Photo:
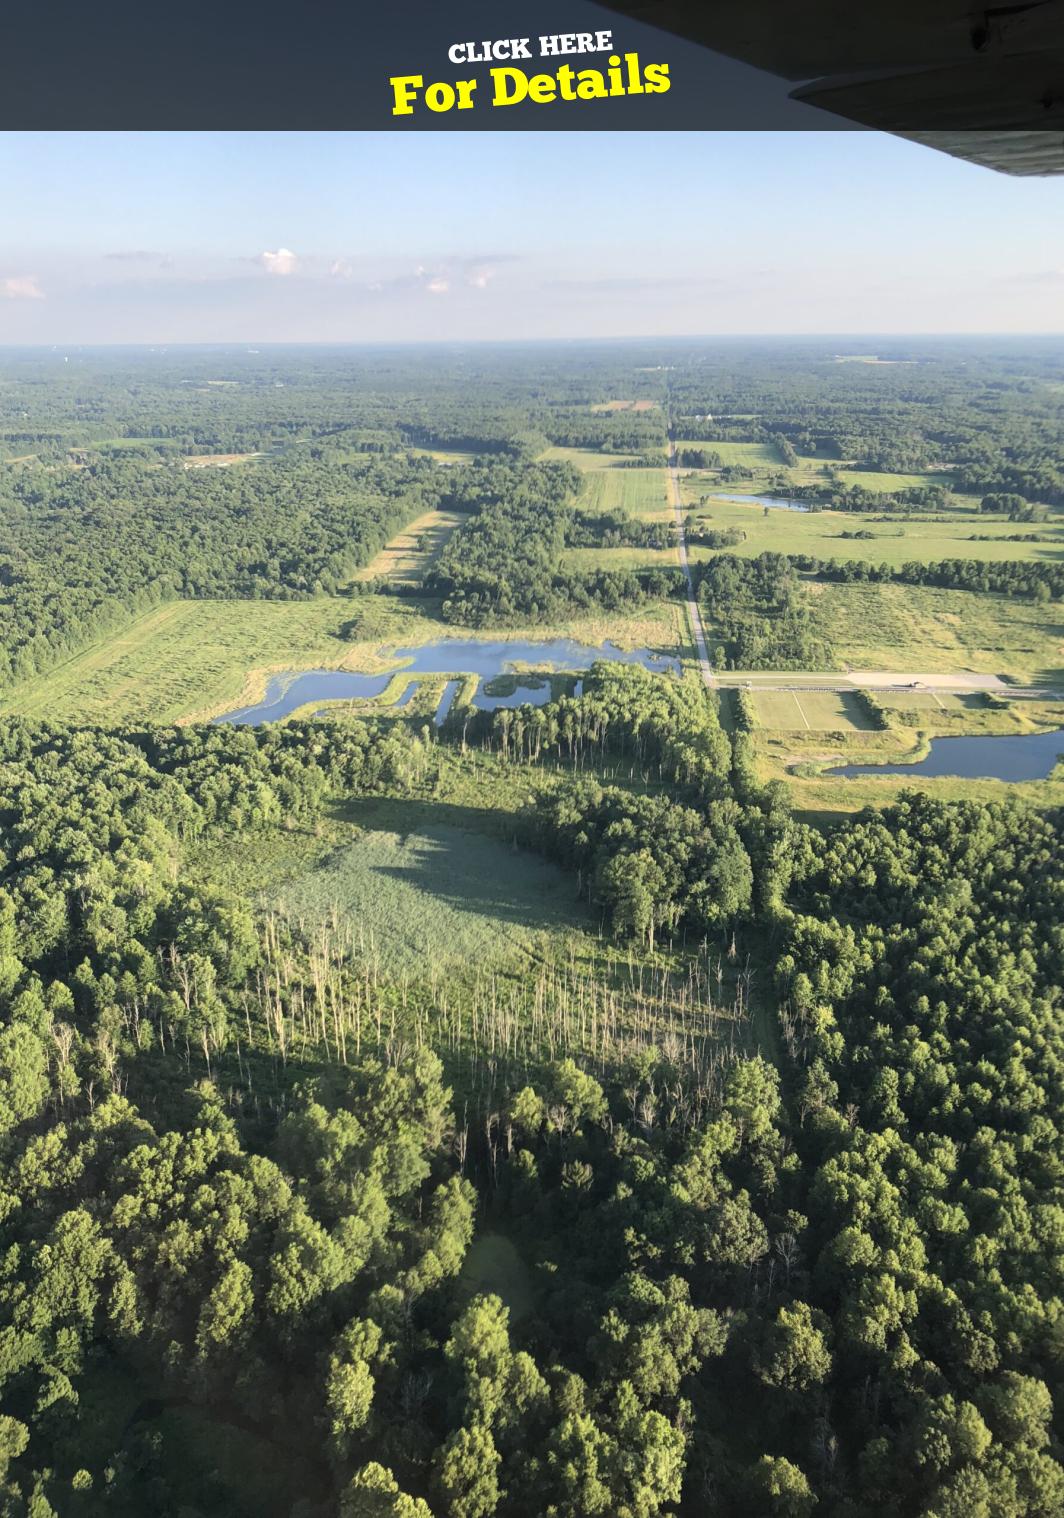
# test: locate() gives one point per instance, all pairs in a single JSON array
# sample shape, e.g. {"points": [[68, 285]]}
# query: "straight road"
{"points": [[694, 616]]}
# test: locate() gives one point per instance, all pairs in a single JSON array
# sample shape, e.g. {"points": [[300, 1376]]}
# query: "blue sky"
{"points": [[400, 236]]}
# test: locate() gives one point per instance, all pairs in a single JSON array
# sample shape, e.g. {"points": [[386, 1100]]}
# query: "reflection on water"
{"points": [[448, 656], [762, 500], [1024, 756]]}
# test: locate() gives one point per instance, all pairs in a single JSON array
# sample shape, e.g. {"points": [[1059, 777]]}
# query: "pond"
{"points": [[488, 659], [1024, 756], [763, 500]]}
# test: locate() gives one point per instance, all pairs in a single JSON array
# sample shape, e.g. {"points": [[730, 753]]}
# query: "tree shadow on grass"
{"points": [[468, 859], [410, 814], [482, 876]]}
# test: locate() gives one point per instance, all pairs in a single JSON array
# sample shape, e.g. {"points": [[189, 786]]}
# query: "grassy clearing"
{"points": [[749, 455], [443, 925], [905, 627], [412, 553], [769, 529], [493, 1264], [877, 479], [641, 405], [443, 455], [216, 460], [620, 558], [437, 896], [119, 444]]}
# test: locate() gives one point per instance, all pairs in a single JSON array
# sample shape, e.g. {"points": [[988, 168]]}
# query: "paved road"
{"points": [[843, 684], [694, 616]]}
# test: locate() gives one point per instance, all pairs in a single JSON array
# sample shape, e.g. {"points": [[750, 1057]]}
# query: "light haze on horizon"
{"points": [[377, 237]]}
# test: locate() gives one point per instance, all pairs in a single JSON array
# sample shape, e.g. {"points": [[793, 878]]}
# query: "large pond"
{"points": [[775, 501], [1026, 756], [491, 661]]}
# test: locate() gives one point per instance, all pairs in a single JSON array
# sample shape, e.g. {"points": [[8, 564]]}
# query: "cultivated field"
{"points": [[810, 711], [640, 492]]}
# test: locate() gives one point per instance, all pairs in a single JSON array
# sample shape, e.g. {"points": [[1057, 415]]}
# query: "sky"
{"points": [[386, 237]]}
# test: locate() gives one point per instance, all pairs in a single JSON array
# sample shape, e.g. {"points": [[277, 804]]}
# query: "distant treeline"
{"points": [[996, 425]]}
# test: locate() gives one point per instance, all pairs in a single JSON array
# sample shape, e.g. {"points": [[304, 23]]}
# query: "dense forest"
{"points": [[746, 1198], [764, 1285]]}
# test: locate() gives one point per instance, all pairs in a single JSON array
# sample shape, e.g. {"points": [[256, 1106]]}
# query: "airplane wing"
{"points": [[984, 83]]}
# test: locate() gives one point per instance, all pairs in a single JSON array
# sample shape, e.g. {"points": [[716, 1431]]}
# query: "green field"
{"points": [[184, 657], [750, 455], [640, 492], [442, 455], [409, 556], [441, 895], [819, 533], [876, 479], [916, 627], [810, 711], [586, 559]]}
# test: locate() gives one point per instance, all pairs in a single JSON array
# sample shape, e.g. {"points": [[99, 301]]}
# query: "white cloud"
{"points": [[284, 261], [21, 287], [340, 269]]}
